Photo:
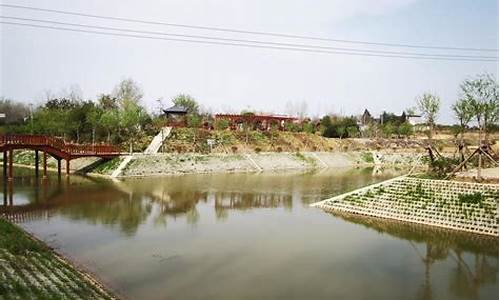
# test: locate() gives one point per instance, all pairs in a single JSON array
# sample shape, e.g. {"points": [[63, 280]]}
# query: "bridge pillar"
{"points": [[37, 167], [5, 165], [44, 165], [5, 192], [11, 161], [67, 167], [59, 167]]}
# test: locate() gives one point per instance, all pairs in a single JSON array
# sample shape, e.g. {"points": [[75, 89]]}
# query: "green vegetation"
{"points": [[16, 242], [429, 106], [339, 127], [108, 166], [474, 198], [302, 157], [117, 117], [31, 270], [367, 157], [430, 202]]}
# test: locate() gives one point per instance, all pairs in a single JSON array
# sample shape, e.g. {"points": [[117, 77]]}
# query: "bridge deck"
{"points": [[57, 147]]}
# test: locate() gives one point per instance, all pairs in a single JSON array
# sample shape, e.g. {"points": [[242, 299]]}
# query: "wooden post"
{"points": [[5, 165], [11, 194], [11, 161], [44, 165], [59, 167], [37, 161], [67, 167], [5, 192], [479, 165]]}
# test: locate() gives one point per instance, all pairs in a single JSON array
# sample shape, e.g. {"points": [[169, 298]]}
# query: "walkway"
{"points": [[56, 147]]}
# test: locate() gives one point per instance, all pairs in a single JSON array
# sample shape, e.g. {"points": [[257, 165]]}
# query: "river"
{"points": [[246, 236]]}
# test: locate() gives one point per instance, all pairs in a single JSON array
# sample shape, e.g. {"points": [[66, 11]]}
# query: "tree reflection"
{"points": [[128, 204], [442, 244]]}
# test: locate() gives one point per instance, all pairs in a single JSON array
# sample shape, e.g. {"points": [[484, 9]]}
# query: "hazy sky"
{"points": [[234, 78]]}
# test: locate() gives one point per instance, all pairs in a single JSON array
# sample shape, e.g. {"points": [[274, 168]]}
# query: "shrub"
{"points": [[308, 127], [440, 167], [474, 198], [367, 157], [221, 124]]}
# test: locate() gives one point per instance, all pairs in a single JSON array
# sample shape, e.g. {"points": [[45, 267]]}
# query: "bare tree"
{"points": [[298, 109], [128, 92]]}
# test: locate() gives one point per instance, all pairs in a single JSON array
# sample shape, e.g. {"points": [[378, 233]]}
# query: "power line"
{"points": [[220, 29], [239, 44], [249, 41]]}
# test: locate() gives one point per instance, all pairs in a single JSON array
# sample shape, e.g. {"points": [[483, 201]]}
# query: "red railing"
{"points": [[59, 144]]}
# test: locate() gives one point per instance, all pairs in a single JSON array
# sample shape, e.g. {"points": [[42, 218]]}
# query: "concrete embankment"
{"points": [[172, 164], [464, 206], [30, 270]]}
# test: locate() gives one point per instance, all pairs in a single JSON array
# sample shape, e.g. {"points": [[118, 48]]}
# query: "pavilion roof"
{"points": [[176, 109]]}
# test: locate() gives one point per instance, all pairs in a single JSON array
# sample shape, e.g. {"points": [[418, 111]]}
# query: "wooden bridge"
{"points": [[56, 147]]}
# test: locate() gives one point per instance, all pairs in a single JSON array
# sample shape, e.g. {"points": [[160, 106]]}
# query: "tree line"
{"points": [[119, 117]]}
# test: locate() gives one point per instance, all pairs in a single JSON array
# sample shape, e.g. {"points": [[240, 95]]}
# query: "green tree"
{"points": [[340, 131], [428, 105], [482, 92], [482, 95], [93, 118], [187, 102], [110, 120], [389, 129], [15, 112], [308, 127], [464, 112], [352, 131], [107, 102], [194, 121], [405, 129]]}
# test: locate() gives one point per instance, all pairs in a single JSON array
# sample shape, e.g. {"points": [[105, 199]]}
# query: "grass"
{"points": [[30, 270], [17, 242], [430, 200], [108, 166]]}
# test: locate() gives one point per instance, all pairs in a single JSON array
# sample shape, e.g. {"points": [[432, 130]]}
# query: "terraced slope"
{"points": [[470, 207], [29, 270]]}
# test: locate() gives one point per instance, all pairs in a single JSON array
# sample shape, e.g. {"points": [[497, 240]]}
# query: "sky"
{"points": [[230, 79]]}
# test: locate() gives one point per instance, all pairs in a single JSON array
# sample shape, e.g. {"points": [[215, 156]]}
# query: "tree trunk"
{"points": [[480, 143]]}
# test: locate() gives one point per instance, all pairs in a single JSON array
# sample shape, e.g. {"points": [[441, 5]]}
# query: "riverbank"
{"points": [[31, 270], [192, 163]]}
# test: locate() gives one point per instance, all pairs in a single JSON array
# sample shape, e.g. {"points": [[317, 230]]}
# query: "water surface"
{"points": [[247, 236]]}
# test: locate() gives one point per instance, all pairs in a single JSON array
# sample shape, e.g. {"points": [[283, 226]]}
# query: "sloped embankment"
{"points": [[172, 164], [463, 206], [30, 270]]}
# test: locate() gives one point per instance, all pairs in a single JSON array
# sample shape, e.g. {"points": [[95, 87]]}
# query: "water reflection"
{"points": [[438, 244], [248, 230], [127, 204]]}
